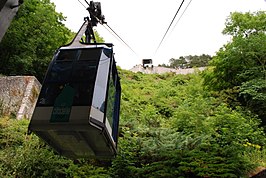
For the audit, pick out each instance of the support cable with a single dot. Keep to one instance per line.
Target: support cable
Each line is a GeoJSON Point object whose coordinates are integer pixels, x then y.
{"type": "Point", "coordinates": [181, 16]}
{"type": "Point", "coordinates": [169, 26]}
{"type": "Point", "coordinates": [82, 4]}
{"type": "Point", "coordinates": [102, 22]}
{"type": "Point", "coordinates": [120, 38]}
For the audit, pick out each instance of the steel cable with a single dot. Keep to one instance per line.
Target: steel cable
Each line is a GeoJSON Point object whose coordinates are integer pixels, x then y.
{"type": "Point", "coordinates": [169, 26]}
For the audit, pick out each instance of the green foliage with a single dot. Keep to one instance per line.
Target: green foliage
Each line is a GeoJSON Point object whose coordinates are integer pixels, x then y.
{"type": "Point", "coordinates": [241, 64]}
{"type": "Point", "coordinates": [99, 39]}
{"type": "Point", "coordinates": [170, 127]}
{"type": "Point", "coordinates": [239, 24]}
{"type": "Point", "coordinates": [84, 169]}
{"type": "Point", "coordinates": [189, 61]}
{"type": "Point", "coordinates": [254, 96]}
{"type": "Point", "coordinates": [24, 155]}
{"type": "Point", "coordinates": [173, 127]}
{"type": "Point", "coordinates": [33, 36]}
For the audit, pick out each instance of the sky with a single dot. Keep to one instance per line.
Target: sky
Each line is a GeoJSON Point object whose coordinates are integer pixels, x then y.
{"type": "Point", "coordinates": [143, 23]}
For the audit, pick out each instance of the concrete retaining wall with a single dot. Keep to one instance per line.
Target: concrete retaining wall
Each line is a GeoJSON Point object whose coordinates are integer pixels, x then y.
{"type": "Point", "coordinates": [18, 95]}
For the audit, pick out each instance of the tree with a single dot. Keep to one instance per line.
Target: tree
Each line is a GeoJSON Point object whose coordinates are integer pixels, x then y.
{"type": "Point", "coordinates": [181, 62]}
{"type": "Point", "coordinates": [199, 61]}
{"type": "Point", "coordinates": [189, 61]}
{"type": "Point", "coordinates": [34, 35]}
{"type": "Point", "coordinates": [241, 64]}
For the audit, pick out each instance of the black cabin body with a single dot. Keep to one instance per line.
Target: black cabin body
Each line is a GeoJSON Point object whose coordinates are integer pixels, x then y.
{"type": "Point", "coordinates": [77, 112]}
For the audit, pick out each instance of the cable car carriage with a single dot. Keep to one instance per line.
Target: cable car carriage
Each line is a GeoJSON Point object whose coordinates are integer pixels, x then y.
{"type": "Point", "coordinates": [77, 112]}
{"type": "Point", "coordinates": [147, 63]}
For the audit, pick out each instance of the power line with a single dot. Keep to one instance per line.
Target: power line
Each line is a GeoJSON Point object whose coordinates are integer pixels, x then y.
{"type": "Point", "coordinates": [169, 26]}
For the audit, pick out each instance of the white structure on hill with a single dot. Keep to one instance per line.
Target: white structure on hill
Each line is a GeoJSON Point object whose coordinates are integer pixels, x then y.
{"type": "Point", "coordinates": [161, 70]}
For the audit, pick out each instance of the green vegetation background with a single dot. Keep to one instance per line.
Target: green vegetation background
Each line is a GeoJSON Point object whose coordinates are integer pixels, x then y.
{"type": "Point", "coordinates": [170, 127]}
{"type": "Point", "coordinates": [206, 124]}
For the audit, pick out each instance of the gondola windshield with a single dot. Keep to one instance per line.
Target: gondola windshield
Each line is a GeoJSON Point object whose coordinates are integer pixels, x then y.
{"type": "Point", "coordinates": [75, 68]}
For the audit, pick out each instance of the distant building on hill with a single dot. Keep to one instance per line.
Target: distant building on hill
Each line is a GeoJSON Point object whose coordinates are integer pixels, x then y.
{"type": "Point", "coordinates": [161, 70]}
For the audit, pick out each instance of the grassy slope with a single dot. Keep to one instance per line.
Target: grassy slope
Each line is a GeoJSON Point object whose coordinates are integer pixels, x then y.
{"type": "Point", "coordinates": [170, 126]}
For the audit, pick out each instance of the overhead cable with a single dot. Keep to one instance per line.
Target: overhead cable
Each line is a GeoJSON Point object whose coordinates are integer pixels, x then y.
{"type": "Point", "coordinates": [110, 29]}
{"type": "Point", "coordinates": [121, 38]}
{"type": "Point", "coordinates": [169, 26]}
{"type": "Point", "coordinates": [181, 15]}
{"type": "Point", "coordinates": [82, 4]}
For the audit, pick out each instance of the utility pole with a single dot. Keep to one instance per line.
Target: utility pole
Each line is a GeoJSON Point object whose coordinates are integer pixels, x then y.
{"type": "Point", "coordinates": [8, 9]}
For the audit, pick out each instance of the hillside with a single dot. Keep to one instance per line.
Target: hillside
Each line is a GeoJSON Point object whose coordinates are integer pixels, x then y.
{"type": "Point", "coordinates": [163, 70]}
{"type": "Point", "coordinates": [170, 126]}
{"type": "Point", "coordinates": [207, 124]}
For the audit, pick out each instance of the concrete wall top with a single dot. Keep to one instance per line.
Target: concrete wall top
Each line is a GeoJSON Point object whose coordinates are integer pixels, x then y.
{"type": "Point", "coordinates": [18, 95]}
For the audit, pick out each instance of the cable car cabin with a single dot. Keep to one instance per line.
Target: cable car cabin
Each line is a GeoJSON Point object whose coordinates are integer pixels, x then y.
{"type": "Point", "coordinates": [77, 112]}
{"type": "Point", "coordinates": [147, 63]}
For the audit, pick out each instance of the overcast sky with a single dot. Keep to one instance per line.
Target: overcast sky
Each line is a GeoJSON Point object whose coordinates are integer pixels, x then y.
{"type": "Point", "coordinates": [142, 24]}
